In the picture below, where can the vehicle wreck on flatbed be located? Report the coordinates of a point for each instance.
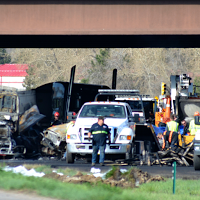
(54, 140)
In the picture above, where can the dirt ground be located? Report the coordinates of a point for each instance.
(21, 195)
(133, 178)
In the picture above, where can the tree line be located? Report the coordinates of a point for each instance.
(138, 68)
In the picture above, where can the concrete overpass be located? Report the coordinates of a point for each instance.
(83, 23)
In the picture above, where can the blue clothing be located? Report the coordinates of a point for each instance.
(96, 148)
(99, 134)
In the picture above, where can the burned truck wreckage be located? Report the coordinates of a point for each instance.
(19, 134)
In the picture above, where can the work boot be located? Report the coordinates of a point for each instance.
(93, 164)
(102, 164)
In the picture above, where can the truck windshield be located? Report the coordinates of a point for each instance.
(108, 111)
(8, 103)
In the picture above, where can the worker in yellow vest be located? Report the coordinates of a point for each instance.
(193, 128)
(172, 125)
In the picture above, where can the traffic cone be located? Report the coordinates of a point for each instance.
(168, 109)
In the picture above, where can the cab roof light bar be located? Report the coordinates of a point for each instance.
(117, 91)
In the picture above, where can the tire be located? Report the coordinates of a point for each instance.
(196, 162)
(70, 157)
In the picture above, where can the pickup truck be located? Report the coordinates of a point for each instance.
(118, 117)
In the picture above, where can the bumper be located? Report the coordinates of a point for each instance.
(197, 147)
(87, 148)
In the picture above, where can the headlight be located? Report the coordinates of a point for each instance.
(125, 137)
(72, 137)
(196, 148)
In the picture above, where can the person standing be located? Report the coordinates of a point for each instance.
(172, 125)
(56, 119)
(100, 132)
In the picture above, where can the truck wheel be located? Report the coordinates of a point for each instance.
(196, 162)
(70, 157)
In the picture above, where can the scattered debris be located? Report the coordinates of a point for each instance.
(22, 170)
(130, 179)
(182, 155)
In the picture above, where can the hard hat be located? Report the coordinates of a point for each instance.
(196, 113)
(56, 114)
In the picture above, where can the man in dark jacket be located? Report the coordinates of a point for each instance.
(186, 127)
(56, 119)
(100, 132)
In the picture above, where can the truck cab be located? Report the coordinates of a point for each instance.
(118, 117)
(144, 107)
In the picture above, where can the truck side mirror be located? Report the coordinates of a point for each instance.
(130, 119)
(71, 116)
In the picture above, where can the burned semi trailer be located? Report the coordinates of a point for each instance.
(52, 97)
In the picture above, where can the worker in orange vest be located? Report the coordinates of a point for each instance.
(169, 136)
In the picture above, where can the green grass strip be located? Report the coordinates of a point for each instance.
(185, 189)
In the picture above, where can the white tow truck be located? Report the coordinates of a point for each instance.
(118, 117)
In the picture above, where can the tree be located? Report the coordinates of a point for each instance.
(50, 65)
(138, 68)
(4, 56)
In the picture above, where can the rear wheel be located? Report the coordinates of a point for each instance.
(196, 162)
(70, 157)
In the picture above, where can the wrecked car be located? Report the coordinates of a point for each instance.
(54, 140)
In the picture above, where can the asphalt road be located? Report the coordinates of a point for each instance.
(82, 165)
(18, 195)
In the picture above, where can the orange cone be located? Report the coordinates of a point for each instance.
(168, 109)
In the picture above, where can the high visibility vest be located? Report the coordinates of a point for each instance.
(193, 128)
(172, 126)
(169, 139)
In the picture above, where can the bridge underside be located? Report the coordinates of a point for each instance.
(79, 23)
(99, 41)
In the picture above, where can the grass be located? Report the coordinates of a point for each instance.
(185, 189)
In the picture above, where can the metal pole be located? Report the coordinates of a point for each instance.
(69, 92)
(114, 79)
(174, 177)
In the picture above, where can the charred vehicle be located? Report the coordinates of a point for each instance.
(54, 140)
(12, 105)
(18, 115)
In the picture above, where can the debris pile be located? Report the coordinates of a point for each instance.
(183, 156)
(115, 178)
